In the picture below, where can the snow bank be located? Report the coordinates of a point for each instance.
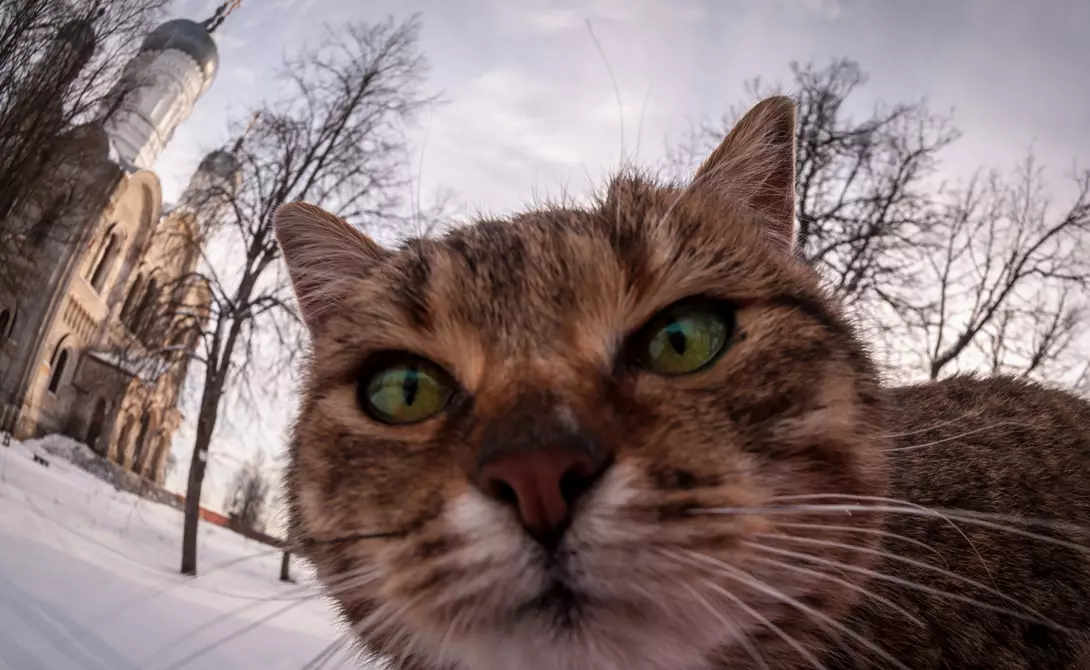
(88, 581)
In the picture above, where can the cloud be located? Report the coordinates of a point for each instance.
(532, 105)
(553, 19)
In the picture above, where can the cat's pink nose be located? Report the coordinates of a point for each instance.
(542, 485)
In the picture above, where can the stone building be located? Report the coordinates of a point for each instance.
(100, 325)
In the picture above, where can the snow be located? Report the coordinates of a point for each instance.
(146, 368)
(89, 581)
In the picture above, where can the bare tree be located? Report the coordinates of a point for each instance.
(1005, 285)
(248, 495)
(988, 276)
(863, 184)
(58, 63)
(335, 139)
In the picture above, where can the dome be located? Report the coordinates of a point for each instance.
(187, 36)
(220, 163)
(79, 36)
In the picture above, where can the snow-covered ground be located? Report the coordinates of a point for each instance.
(89, 581)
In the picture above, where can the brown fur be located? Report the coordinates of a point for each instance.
(531, 317)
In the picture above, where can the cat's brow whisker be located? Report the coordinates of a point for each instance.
(923, 588)
(818, 616)
(613, 80)
(866, 531)
(741, 604)
(732, 626)
(842, 582)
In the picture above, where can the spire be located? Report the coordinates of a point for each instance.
(249, 127)
(220, 15)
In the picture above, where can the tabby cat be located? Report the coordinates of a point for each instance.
(640, 435)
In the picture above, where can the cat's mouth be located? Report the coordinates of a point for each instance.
(559, 602)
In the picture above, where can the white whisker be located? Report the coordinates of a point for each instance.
(939, 593)
(901, 559)
(945, 518)
(752, 582)
(791, 641)
(735, 629)
(866, 531)
(953, 438)
(843, 582)
(968, 415)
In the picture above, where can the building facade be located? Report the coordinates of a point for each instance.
(98, 332)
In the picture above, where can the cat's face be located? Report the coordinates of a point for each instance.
(536, 412)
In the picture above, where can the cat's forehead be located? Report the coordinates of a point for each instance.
(573, 281)
(515, 276)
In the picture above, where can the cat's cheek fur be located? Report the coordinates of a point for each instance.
(649, 619)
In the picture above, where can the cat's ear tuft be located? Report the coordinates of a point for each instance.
(755, 162)
(325, 256)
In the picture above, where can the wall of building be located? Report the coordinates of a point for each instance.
(112, 364)
(58, 224)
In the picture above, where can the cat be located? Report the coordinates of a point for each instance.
(641, 435)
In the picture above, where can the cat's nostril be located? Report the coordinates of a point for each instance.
(575, 483)
(542, 485)
(503, 492)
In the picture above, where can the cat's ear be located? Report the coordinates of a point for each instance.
(324, 255)
(755, 162)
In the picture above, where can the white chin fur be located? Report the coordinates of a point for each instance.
(678, 632)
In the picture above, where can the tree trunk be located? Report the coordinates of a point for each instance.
(197, 465)
(285, 562)
(215, 382)
(206, 424)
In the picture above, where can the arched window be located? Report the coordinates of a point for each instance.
(140, 449)
(105, 261)
(130, 300)
(59, 363)
(120, 455)
(144, 313)
(12, 320)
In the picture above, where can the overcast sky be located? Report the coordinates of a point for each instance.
(531, 107)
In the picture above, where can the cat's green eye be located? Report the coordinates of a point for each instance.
(408, 391)
(685, 338)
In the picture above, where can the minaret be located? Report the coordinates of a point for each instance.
(175, 65)
(66, 57)
(42, 90)
(217, 178)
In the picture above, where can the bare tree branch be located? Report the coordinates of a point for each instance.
(334, 140)
(989, 275)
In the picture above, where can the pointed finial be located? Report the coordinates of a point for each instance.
(245, 133)
(220, 15)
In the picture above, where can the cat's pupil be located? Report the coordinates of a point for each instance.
(675, 335)
(410, 385)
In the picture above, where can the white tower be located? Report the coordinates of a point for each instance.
(175, 65)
